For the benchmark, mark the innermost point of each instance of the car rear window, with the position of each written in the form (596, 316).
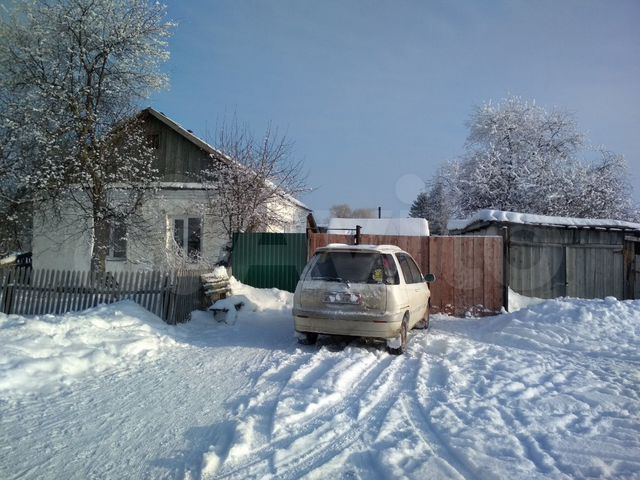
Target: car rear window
(355, 267)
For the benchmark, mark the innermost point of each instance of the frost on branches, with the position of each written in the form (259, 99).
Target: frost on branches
(253, 180)
(521, 157)
(72, 74)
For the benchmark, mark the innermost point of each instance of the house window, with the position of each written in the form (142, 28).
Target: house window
(187, 233)
(118, 241)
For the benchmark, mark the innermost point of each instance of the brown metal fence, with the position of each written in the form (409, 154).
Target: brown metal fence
(172, 295)
(468, 270)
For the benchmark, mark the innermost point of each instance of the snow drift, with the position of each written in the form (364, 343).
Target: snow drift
(549, 391)
(43, 351)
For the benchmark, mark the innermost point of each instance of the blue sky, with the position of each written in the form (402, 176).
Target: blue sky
(375, 94)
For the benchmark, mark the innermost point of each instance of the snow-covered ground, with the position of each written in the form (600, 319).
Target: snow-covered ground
(552, 390)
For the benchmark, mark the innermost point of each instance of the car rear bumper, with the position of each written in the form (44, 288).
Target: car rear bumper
(357, 325)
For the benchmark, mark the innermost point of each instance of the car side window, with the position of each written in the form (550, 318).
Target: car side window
(410, 270)
(415, 271)
(406, 269)
(391, 276)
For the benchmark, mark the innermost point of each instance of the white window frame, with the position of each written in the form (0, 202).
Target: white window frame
(185, 232)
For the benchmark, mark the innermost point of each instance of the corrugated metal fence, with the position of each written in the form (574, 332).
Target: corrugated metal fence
(468, 270)
(266, 260)
(171, 295)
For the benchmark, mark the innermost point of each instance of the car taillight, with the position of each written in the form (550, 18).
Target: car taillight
(343, 298)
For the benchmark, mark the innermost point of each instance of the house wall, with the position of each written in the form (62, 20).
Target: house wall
(65, 242)
(148, 248)
(294, 217)
(551, 262)
(61, 242)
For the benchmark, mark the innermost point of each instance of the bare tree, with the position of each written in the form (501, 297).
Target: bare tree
(345, 211)
(341, 210)
(254, 180)
(72, 74)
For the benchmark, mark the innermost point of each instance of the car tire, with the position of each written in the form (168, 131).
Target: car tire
(424, 323)
(404, 338)
(308, 338)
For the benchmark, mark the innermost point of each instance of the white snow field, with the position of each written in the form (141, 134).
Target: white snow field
(550, 391)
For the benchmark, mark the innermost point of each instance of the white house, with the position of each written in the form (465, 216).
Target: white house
(175, 217)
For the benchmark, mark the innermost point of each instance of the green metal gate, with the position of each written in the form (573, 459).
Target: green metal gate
(267, 260)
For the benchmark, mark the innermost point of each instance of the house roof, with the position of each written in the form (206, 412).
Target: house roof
(412, 227)
(484, 217)
(189, 135)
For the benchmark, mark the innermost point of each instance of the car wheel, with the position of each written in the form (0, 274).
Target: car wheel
(308, 338)
(424, 323)
(404, 332)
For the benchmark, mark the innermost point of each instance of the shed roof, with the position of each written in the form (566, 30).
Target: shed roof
(413, 227)
(361, 248)
(484, 217)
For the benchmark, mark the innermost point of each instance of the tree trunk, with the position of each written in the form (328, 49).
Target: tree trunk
(100, 245)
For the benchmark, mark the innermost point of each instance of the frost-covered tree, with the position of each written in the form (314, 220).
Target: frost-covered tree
(522, 157)
(71, 78)
(251, 182)
(606, 191)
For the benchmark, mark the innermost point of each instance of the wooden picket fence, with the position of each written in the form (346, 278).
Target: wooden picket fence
(468, 270)
(172, 295)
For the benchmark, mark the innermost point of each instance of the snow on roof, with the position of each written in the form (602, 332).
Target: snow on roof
(483, 216)
(410, 227)
(377, 248)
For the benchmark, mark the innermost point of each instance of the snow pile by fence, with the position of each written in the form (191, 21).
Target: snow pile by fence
(42, 352)
(518, 302)
(250, 299)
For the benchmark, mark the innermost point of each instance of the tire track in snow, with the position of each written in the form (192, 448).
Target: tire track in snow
(417, 413)
(544, 463)
(355, 429)
(253, 418)
(318, 431)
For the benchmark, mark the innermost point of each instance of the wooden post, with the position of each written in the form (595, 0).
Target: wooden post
(8, 291)
(506, 266)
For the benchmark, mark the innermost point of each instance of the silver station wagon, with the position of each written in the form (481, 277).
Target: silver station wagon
(373, 291)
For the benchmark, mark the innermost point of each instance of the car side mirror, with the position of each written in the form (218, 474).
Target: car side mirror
(429, 278)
